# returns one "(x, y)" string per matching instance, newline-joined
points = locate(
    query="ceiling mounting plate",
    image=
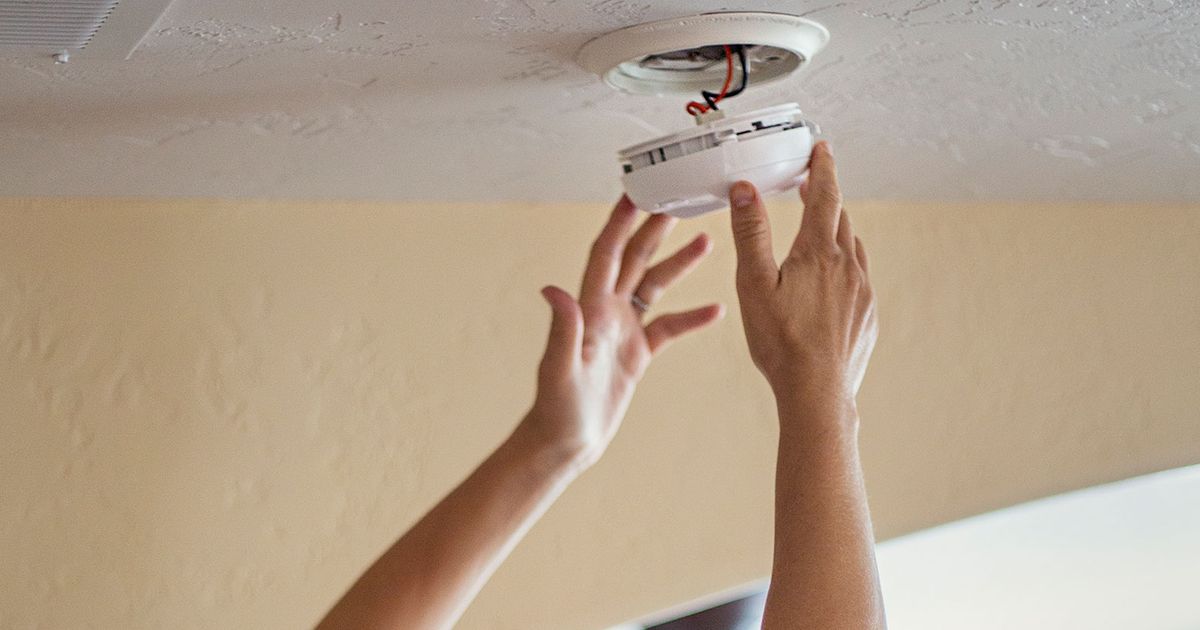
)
(676, 56)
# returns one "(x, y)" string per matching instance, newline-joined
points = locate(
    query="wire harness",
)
(696, 108)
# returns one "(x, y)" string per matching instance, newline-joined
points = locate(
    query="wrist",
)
(809, 407)
(547, 452)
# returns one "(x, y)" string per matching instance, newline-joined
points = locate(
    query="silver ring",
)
(639, 304)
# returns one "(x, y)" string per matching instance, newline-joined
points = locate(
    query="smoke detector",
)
(97, 29)
(713, 56)
(690, 172)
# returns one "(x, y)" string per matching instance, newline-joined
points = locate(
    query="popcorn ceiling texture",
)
(214, 414)
(480, 100)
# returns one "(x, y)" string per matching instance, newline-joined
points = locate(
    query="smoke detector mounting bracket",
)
(686, 55)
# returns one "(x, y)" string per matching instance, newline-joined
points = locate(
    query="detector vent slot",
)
(688, 146)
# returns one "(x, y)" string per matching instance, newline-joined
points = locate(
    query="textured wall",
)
(213, 414)
(951, 100)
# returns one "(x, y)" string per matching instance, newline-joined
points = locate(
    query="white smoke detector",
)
(62, 29)
(689, 173)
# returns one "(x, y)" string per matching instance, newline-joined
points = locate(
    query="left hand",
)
(599, 346)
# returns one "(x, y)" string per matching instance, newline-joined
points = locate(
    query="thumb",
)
(751, 232)
(566, 329)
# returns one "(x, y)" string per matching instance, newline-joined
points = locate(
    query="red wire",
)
(695, 107)
(728, 74)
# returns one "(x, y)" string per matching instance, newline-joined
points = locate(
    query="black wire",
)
(710, 97)
(741, 53)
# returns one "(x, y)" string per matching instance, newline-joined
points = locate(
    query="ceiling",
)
(480, 100)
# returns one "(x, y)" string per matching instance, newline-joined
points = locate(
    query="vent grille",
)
(52, 24)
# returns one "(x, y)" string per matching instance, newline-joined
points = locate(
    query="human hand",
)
(599, 346)
(810, 322)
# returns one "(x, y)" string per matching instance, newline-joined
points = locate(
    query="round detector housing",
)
(686, 55)
(690, 172)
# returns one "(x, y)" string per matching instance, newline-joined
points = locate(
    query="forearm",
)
(824, 573)
(430, 575)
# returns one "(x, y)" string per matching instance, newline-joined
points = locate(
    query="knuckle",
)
(823, 252)
(750, 280)
(854, 283)
(652, 278)
(649, 292)
(749, 229)
(602, 249)
(639, 252)
(868, 292)
(825, 197)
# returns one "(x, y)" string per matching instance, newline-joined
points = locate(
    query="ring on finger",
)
(639, 304)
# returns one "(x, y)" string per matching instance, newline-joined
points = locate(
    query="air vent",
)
(101, 29)
(52, 24)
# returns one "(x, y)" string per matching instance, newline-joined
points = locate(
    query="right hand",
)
(810, 321)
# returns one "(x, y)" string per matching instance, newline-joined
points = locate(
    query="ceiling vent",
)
(100, 29)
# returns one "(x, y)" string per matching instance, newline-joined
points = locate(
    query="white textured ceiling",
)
(480, 100)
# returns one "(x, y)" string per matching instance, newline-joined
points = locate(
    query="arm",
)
(429, 576)
(598, 350)
(810, 324)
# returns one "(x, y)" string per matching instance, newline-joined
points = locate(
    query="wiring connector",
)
(709, 116)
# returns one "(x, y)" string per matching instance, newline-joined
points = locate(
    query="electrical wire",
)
(695, 108)
(712, 98)
(741, 53)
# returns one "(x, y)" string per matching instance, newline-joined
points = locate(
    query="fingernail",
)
(742, 194)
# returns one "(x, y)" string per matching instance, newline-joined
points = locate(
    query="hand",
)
(810, 321)
(599, 347)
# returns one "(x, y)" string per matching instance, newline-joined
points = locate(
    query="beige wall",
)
(213, 414)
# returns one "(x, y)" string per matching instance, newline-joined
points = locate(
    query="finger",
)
(860, 252)
(660, 277)
(751, 233)
(822, 197)
(566, 331)
(605, 258)
(640, 248)
(845, 233)
(667, 328)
